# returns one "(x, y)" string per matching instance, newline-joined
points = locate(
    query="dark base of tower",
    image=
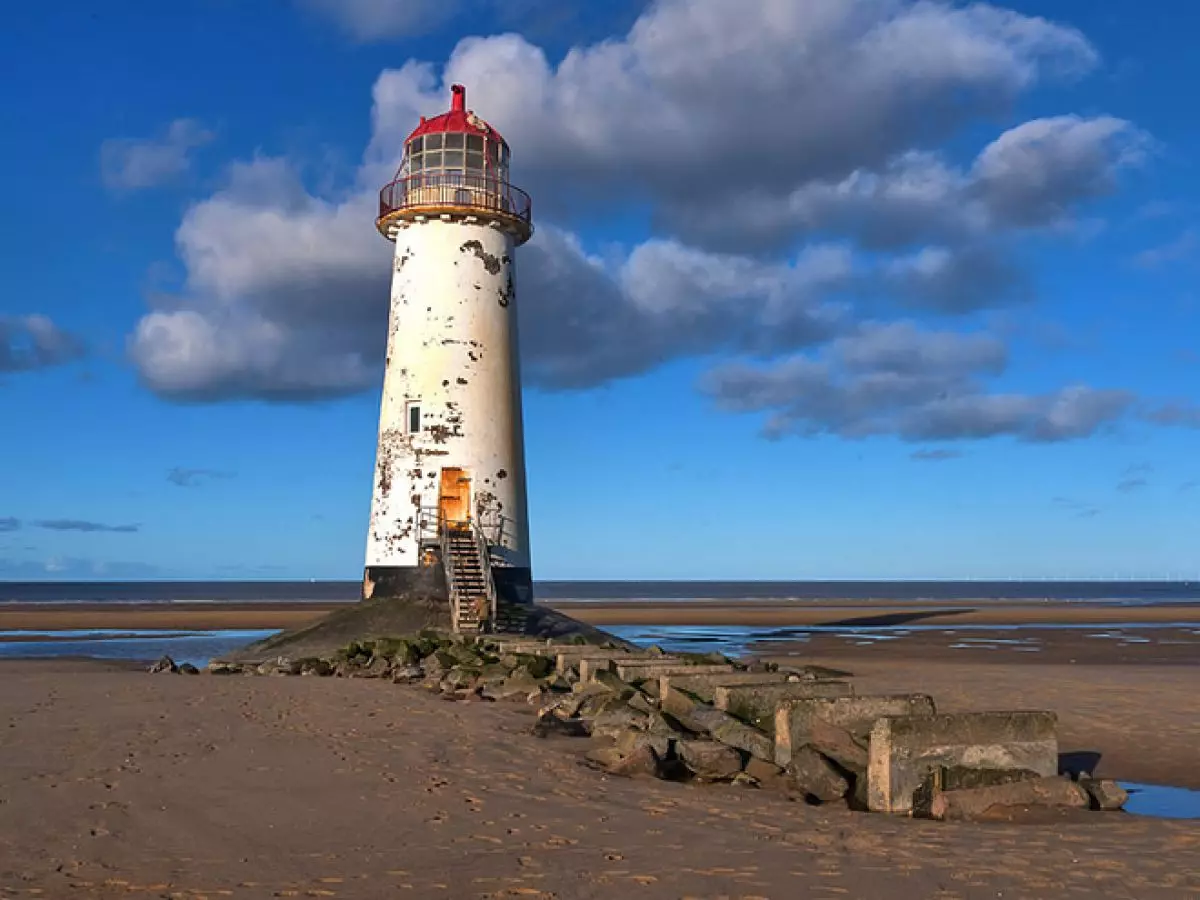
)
(397, 582)
(513, 585)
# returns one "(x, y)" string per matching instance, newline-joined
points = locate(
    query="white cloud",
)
(130, 164)
(788, 155)
(918, 385)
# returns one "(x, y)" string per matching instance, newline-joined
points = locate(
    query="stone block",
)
(794, 718)
(905, 749)
(567, 656)
(976, 802)
(644, 669)
(592, 663)
(702, 686)
(756, 703)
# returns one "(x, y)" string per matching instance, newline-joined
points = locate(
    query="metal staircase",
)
(469, 578)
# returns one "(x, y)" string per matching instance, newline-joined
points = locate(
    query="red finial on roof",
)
(458, 120)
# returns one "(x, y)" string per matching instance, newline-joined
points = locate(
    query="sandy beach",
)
(117, 783)
(211, 616)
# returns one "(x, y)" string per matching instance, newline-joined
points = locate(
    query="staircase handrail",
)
(485, 564)
(451, 576)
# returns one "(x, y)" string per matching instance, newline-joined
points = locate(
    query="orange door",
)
(454, 498)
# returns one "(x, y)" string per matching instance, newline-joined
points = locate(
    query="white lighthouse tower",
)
(448, 513)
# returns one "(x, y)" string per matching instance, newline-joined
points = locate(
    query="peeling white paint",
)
(452, 348)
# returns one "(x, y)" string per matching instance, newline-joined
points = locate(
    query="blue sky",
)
(831, 290)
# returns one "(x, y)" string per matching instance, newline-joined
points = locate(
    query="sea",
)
(1129, 593)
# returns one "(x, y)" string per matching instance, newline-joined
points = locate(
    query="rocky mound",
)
(372, 619)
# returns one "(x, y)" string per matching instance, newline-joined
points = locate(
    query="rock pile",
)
(799, 730)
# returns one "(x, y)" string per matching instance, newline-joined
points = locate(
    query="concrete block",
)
(904, 749)
(702, 686)
(607, 662)
(567, 656)
(793, 718)
(643, 669)
(756, 703)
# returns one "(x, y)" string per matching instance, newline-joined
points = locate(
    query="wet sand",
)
(210, 616)
(116, 783)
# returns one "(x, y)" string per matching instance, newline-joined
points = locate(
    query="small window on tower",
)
(414, 418)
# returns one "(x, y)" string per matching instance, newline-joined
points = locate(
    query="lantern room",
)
(455, 165)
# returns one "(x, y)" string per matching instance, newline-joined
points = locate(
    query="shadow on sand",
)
(891, 619)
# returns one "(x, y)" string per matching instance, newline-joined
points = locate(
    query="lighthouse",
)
(448, 509)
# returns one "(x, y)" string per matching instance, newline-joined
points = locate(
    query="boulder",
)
(407, 674)
(815, 777)
(611, 682)
(165, 665)
(973, 803)
(598, 704)
(631, 739)
(537, 666)
(458, 678)
(188, 669)
(642, 761)
(710, 760)
(766, 774)
(319, 667)
(378, 667)
(517, 686)
(221, 668)
(615, 721)
(700, 718)
(641, 703)
(548, 724)
(839, 745)
(1104, 794)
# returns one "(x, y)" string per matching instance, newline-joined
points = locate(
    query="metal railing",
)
(432, 528)
(489, 586)
(458, 190)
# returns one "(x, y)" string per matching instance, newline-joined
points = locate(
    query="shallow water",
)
(195, 647)
(736, 640)
(1162, 802)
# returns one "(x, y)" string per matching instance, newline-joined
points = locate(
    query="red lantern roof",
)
(458, 120)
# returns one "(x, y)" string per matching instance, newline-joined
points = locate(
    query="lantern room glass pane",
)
(415, 162)
(453, 159)
(433, 142)
(474, 163)
(415, 145)
(454, 141)
(433, 160)
(493, 150)
(474, 143)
